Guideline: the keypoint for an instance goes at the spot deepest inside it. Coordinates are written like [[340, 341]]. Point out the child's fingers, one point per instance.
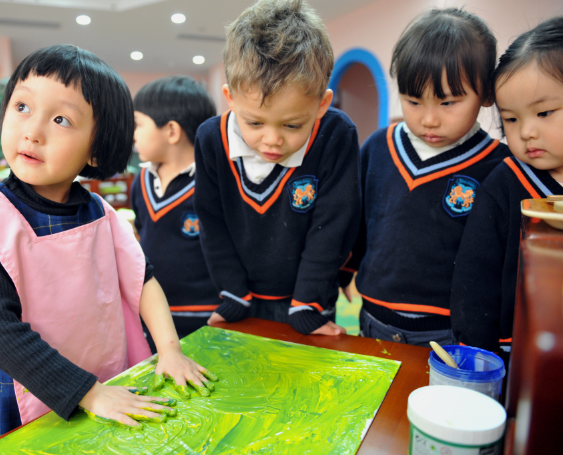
[[152, 417], [139, 390], [158, 382], [201, 389], [123, 421], [208, 374], [165, 401], [170, 412]]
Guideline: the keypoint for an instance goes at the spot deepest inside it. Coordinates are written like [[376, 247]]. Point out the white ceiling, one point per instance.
[[120, 27]]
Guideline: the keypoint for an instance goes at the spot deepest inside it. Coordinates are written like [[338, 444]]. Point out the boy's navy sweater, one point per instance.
[[414, 213], [56, 381], [169, 231], [289, 235], [486, 269]]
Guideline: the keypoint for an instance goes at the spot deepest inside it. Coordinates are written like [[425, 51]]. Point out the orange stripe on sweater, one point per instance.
[[409, 307], [523, 180], [314, 304]]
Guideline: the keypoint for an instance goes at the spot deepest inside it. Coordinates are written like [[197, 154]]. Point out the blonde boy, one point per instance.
[[277, 182]]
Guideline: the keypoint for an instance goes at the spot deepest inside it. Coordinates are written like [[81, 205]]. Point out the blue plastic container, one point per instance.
[[478, 370]]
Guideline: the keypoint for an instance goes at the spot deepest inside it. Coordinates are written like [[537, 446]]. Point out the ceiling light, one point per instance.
[[178, 18], [83, 20], [136, 55], [198, 59]]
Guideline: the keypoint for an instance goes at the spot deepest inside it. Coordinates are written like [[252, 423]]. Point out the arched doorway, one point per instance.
[[360, 90]]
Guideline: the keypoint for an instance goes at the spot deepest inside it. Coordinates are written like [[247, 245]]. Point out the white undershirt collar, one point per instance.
[[153, 169]]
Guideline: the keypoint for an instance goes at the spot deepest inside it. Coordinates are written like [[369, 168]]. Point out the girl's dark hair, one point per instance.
[[178, 98], [448, 39], [102, 88], [543, 44]]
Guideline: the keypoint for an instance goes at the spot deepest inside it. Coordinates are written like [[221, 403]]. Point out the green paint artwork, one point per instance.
[[271, 397]]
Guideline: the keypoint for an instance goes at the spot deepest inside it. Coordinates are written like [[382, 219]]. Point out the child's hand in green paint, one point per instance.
[[122, 405], [181, 369]]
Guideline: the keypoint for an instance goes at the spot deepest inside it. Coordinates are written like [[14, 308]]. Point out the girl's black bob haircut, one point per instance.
[[445, 39], [542, 45], [177, 98], [102, 88]]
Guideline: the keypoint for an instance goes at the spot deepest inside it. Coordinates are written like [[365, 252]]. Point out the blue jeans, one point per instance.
[[9, 412], [372, 328]]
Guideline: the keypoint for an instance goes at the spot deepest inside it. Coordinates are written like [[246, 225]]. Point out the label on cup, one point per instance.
[[423, 444]]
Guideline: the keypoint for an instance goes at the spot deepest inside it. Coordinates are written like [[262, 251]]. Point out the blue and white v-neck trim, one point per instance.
[[415, 171]]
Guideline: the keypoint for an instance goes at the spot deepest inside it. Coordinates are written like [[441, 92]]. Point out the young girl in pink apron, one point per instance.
[[73, 278]]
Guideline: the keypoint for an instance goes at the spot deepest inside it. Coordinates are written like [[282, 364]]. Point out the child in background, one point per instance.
[[419, 177], [168, 112], [529, 96], [277, 176], [73, 279]]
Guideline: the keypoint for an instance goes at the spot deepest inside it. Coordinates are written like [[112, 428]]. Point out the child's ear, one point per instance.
[[228, 96], [173, 132], [325, 103]]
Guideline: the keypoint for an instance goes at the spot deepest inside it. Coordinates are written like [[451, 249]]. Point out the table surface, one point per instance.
[[389, 432]]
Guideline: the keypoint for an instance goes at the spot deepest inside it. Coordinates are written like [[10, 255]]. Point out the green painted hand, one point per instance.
[[165, 402], [209, 375], [106, 421], [204, 390], [160, 419], [169, 412], [159, 381], [139, 390], [181, 389]]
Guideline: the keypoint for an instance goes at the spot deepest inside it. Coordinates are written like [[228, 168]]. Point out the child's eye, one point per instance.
[[509, 120], [62, 121], [253, 123], [413, 103], [545, 113], [448, 103], [23, 108], [294, 127]]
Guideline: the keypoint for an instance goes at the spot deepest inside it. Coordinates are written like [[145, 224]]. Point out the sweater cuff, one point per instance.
[[233, 308], [306, 320]]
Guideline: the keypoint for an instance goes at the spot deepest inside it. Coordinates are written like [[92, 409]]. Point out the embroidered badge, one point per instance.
[[190, 224], [460, 195], [303, 193]]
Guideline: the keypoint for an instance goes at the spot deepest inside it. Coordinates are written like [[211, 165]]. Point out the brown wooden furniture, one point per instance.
[[389, 432], [535, 394], [116, 191]]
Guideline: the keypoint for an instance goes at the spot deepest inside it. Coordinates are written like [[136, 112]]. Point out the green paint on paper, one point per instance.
[[272, 397]]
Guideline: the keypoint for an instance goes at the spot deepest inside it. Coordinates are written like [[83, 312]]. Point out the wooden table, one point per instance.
[[389, 432]]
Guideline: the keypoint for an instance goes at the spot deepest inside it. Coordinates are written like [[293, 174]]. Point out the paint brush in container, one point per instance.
[[440, 352]]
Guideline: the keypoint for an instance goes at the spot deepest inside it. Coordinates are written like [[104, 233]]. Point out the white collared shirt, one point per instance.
[[256, 168], [153, 169], [425, 152]]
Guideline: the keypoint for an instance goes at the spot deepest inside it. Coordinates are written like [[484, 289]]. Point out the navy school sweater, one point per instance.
[[486, 269], [414, 213], [169, 234], [288, 236]]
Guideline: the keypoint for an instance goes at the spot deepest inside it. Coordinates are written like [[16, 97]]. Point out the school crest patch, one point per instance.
[[460, 195], [190, 225], [303, 193]]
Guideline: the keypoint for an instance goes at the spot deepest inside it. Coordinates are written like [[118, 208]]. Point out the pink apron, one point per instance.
[[80, 290]]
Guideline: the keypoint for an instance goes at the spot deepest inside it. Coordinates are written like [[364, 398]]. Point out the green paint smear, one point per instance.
[[271, 397]]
